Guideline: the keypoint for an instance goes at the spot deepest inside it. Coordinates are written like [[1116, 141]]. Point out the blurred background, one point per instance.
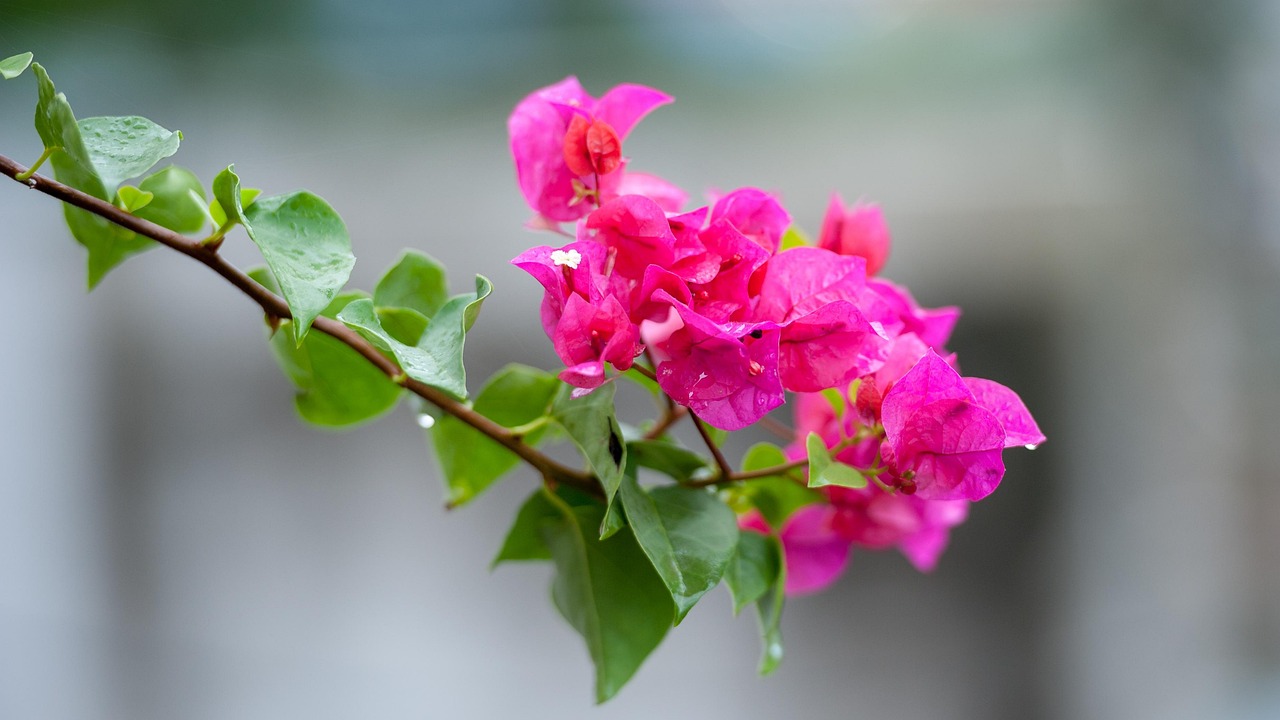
[[1096, 184]]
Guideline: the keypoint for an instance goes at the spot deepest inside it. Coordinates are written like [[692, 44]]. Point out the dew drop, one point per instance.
[[1031, 446], [425, 421]]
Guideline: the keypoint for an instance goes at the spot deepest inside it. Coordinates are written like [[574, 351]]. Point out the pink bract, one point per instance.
[[939, 430], [726, 374], [537, 129], [756, 214], [859, 231]]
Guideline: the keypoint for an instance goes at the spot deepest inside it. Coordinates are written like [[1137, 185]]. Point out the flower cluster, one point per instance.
[[731, 317]]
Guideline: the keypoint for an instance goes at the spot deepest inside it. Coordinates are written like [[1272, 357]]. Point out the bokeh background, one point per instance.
[[1096, 183]]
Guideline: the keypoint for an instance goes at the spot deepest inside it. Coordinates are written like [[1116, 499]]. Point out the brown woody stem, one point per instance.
[[275, 307]]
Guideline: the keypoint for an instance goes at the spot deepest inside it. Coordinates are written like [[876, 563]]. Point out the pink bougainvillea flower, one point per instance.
[[591, 334], [826, 340], [635, 230], [735, 258], [813, 552], [804, 279], [1019, 427], [939, 436], [727, 374], [901, 314], [668, 196], [538, 127], [756, 214], [575, 269], [875, 519], [830, 347], [859, 231]]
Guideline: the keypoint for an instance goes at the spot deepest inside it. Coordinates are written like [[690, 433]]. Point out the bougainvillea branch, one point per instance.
[[724, 313], [275, 307]]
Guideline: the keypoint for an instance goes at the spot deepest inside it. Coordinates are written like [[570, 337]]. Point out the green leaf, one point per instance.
[[775, 497], [108, 244], [179, 202], [416, 282], [524, 539], [769, 614], [471, 461], [306, 246], [592, 425], [688, 534], [125, 147], [778, 497], [227, 201], [12, 67], [836, 401], [608, 592], [337, 387], [262, 275], [825, 471], [763, 455], [437, 358], [672, 460], [402, 324], [134, 199], [794, 238], [753, 569]]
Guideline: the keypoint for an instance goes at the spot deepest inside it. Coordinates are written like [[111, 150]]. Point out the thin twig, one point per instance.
[[721, 463], [275, 307]]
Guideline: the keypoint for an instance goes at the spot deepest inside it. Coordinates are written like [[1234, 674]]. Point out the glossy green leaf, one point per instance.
[[227, 204], [592, 425], [416, 281], [121, 148], [108, 244], [793, 238], [134, 199], [12, 67], [608, 592], [306, 246], [437, 358], [672, 460], [471, 461], [337, 387], [179, 202], [688, 534], [823, 470], [769, 614], [753, 569], [402, 324]]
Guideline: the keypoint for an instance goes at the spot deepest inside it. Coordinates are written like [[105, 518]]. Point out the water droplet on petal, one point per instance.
[[426, 422], [1031, 446]]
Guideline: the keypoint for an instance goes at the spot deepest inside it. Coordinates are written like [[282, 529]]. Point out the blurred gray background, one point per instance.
[[1096, 183]]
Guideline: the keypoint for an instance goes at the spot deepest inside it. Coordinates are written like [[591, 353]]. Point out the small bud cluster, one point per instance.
[[734, 310]]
